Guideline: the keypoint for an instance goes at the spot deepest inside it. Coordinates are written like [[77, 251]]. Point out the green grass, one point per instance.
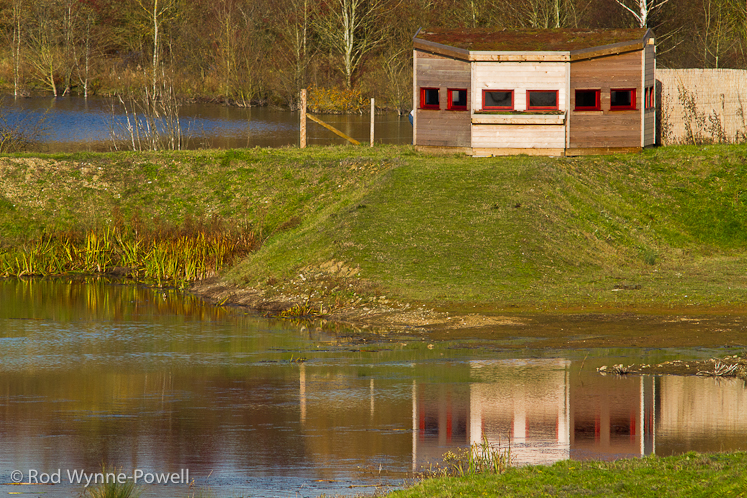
[[691, 475], [655, 229], [664, 228]]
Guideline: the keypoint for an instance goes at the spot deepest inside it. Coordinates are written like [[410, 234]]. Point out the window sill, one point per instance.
[[520, 113], [522, 118]]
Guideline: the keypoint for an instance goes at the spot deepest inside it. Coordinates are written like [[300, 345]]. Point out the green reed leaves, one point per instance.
[[479, 458], [162, 258]]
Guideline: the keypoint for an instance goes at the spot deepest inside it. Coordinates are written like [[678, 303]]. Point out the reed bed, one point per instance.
[[480, 458], [162, 258]]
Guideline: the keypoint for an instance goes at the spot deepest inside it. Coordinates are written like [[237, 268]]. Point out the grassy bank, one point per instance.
[[691, 474], [664, 228]]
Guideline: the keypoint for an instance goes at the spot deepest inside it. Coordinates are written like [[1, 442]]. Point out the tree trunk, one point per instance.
[[17, 11], [155, 46]]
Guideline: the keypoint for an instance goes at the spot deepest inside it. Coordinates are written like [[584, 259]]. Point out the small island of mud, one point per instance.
[[729, 366]]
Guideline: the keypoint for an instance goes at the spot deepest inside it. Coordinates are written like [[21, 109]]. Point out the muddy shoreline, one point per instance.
[[519, 329]]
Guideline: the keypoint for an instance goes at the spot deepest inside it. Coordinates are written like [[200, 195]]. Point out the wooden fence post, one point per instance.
[[373, 112], [303, 119]]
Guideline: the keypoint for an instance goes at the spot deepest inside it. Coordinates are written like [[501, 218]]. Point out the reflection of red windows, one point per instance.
[[498, 100], [456, 99], [542, 100], [622, 99], [429, 98], [588, 100]]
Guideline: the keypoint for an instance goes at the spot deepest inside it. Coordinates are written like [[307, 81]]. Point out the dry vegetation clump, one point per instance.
[[335, 100], [734, 366]]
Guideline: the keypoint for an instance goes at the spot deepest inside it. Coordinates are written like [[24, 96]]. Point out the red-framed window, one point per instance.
[[456, 99], [588, 100], [649, 98], [542, 100], [498, 100], [622, 99], [429, 98]]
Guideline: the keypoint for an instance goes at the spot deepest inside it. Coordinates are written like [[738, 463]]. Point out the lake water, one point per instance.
[[155, 381], [74, 124]]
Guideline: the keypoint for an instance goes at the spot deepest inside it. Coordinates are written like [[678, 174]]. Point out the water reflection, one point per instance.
[[74, 123], [545, 413], [148, 379]]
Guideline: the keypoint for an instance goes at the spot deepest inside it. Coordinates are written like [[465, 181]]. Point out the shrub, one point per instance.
[[335, 100]]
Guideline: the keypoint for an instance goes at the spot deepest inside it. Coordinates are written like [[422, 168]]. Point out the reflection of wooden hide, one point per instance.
[[706, 412], [530, 408]]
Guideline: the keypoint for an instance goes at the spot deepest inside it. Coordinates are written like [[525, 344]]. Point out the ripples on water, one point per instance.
[[74, 123], [140, 378]]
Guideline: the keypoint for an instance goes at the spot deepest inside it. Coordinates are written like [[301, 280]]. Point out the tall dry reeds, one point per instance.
[[162, 258], [480, 458]]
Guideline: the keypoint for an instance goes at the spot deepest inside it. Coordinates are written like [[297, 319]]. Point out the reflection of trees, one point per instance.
[[355, 421], [163, 419], [95, 298]]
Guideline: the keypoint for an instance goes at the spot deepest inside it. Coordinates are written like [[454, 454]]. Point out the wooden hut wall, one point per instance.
[[441, 127], [543, 133], [649, 127], [606, 128], [519, 77]]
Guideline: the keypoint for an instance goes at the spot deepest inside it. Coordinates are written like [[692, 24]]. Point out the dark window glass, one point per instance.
[[458, 99], [430, 97], [588, 99], [621, 98], [540, 99], [496, 98]]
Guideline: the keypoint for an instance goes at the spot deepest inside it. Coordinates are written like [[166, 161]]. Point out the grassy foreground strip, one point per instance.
[[666, 228], [691, 475]]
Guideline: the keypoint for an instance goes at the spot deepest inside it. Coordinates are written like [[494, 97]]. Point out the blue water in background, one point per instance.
[[74, 124]]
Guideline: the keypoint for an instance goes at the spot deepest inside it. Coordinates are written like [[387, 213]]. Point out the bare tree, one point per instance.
[[546, 13], [17, 11], [397, 65], [158, 12], [254, 50], [226, 17], [718, 33], [84, 72], [351, 28], [641, 9], [43, 39], [293, 24]]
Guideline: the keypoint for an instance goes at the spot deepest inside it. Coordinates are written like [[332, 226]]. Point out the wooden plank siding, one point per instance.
[[649, 134], [442, 127], [606, 128], [519, 77], [518, 136]]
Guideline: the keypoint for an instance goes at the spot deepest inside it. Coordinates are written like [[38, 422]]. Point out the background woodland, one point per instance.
[[262, 52]]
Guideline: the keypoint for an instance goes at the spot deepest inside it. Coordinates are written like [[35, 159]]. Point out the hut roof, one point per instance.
[[530, 40]]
